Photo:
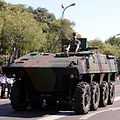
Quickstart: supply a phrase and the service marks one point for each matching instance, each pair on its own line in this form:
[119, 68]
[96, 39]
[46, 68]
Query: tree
[57, 32]
[20, 31]
[113, 41]
[97, 43]
[42, 15]
[2, 3]
[24, 30]
[104, 48]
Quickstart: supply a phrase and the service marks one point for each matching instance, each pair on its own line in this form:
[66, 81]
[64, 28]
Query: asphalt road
[111, 112]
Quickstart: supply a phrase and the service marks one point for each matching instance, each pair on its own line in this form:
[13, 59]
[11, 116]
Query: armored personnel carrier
[83, 79]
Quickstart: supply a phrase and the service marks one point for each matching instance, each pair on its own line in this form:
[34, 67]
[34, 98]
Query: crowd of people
[5, 84]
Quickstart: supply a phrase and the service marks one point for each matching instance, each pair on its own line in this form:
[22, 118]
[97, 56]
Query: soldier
[66, 49]
[74, 44]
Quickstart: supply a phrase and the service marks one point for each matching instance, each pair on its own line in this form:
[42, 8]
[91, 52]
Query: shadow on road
[7, 111]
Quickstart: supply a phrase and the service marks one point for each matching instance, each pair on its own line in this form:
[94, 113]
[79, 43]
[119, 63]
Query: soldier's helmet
[74, 34]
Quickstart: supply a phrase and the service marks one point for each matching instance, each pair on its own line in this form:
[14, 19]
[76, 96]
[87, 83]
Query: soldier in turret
[75, 42]
[73, 46]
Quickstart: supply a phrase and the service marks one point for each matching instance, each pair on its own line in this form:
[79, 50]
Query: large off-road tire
[82, 97]
[111, 93]
[35, 101]
[18, 97]
[104, 92]
[51, 102]
[95, 96]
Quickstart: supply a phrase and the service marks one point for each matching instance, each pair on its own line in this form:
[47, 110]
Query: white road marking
[3, 118]
[54, 117]
[92, 114]
[66, 113]
[2, 100]
[85, 117]
[117, 98]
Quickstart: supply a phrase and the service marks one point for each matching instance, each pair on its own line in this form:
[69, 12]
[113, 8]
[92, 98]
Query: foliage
[20, 31]
[103, 47]
[113, 41]
[55, 29]
[58, 30]
[1, 4]
[42, 15]
[24, 30]
[111, 47]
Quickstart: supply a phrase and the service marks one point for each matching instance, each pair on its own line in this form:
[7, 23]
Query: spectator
[3, 84]
[11, 59]
[9, 85]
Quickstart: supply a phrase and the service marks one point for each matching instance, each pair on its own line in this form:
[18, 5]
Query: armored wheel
[95, 96]
[104, 92]
[111, 93]
[18, 97]
[82, 98]
[35, 101]
[51, 102]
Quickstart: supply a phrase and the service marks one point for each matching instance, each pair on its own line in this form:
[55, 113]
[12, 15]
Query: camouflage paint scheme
[46, 71]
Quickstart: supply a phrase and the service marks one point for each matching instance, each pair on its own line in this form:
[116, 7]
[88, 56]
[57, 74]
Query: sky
[94, 19]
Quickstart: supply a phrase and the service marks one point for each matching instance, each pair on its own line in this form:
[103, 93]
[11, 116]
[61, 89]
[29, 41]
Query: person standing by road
[9, 85]
[3, 84]
[11, 59]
